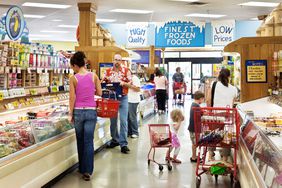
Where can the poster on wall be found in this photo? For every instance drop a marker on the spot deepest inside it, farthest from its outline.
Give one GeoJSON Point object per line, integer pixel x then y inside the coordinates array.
{"type": "Point", "coordinates": [13, 25]}
{"type": "Point", "coordinates": [103, 67]}
{"type": "Point", "coordinates": [180, 34]}
{"type": "Point", "coordinates": [256, 71]}
{"type": "Point", "coordinates": [137, 34]}
{"type": "Point", "coordinates": [223, 32]}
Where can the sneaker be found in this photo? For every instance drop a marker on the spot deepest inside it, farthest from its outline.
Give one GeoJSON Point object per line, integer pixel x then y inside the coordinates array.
{"type": "Point", "coordinates": [112, 145]}
{"type": "Point", "coordinates": [86, 177]}
{"type": "Point", "coordinates": [134, 136]}
{"type": "Point", "coordinates": [125, 150]}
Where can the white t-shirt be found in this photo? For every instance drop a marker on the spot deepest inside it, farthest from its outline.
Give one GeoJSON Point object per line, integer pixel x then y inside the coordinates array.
{"type": "Point", "coordinates": [224, 96]}
{"type": "Point", "coordinates": [133, 96]}
{"type": "Point", "coordinates": [160, 82]}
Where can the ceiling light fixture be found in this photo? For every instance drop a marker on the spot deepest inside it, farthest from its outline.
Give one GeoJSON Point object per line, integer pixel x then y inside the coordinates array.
{"type": "Point", "coordinates": [56, 20]}
{"type": "Point", "coordinates": [259, 4]}
{"type": "Point", "coordinates": [100, 20]}
{"type": "Point", "coordinates": [50, 31]}
{"type": "Point", "coordinates": [188, 1]}
{"type": "Point", "coordinates": [132, 11]}
{"type": "Point", "coordinates": [35, 36]}
{"type": "Point", "coordinates": [254, 19]}
{"type": "Point", "coordinates": [45, 5]}
{"type": "Point", "coordinates": [33, 16]}
{"type": "Point", "coordinates": [68, 26]}
{"type": "Point", "coordinates": [205, 15]}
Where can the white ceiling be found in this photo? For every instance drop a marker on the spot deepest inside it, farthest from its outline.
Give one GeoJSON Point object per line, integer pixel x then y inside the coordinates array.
{"type": "Point", "coordinates": [163, 10]}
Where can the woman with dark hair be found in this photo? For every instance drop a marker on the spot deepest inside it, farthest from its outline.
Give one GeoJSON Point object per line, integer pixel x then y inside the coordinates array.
{"type": "Point", "coordinates": [224, 96]}
{"type": "Point", "coordinates": [84, 86]}
{"type": "Point", "coordinates": [161, 84]}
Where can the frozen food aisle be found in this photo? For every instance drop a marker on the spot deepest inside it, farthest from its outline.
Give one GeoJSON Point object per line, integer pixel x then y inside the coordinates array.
{"type": "Point", "coordinates": [116, 170]}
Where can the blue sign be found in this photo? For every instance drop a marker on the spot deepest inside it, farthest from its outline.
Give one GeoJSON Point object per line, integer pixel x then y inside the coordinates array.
{"type": "Point", "coordinates": [180, 34]}
{"type": "Point", "coordinates": [145, 56]}
{"type": "Point", "coordinates": [14, 23]}
{"type": "Point", "coordinates": [256, 71]}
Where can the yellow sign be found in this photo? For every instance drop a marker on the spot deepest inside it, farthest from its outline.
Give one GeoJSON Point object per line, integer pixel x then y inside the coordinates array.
{"type": "Point", "coordinates": [256, 71]}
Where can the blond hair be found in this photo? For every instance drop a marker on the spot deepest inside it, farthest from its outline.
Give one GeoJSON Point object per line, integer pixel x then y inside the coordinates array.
{"type": "Point", "coordinates": [176, 115]}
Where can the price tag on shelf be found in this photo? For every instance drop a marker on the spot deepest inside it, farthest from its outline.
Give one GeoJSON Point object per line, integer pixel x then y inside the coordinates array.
{"type": "Point", "coordinates": [2, 70]}
{"type": "Point", "coordinates": [7, 70]}
{"type": "Point", "coordinates": [39, 70]}
{"type": "Point", "coordinates": [1, 96]}
{"type": "Point", "coordinates": [19, 70]}
{"type": "Point", "coordinates": [14, 70]}
{"type": "Point", "coordinates": [28, 70]}
{"type": "Point", "coordinates": [46, 70]}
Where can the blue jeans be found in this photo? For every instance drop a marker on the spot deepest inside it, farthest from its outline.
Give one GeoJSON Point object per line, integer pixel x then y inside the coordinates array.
{"type": "Point", "coordinates": [132, 119]}
{"type": "Point", "coordinates": [121, 137]}
{"type": "Point", "coordinates": [84, 124]}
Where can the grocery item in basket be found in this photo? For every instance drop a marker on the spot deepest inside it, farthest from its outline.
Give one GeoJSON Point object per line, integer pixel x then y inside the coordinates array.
{"type": "Point", "coordinates": [159, 139]}
{"type": "Point", "coordinates": [218, 169]}
{"type": "Point", "coordinates": [213, 137]}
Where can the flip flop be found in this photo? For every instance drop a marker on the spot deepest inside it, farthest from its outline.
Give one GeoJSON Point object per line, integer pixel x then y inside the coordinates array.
{"type": "Point", "coordinates": [176, 161]}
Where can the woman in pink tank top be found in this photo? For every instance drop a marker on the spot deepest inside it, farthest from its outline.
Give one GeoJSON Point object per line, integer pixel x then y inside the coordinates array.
{"type": "Point", "coordinates": [84, 86]}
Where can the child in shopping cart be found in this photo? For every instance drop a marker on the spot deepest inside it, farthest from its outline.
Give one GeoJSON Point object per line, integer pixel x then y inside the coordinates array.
{"type": "Point", "coordinates": [199, 98]}
{"type": "Point", "coordinates": [177, 117]}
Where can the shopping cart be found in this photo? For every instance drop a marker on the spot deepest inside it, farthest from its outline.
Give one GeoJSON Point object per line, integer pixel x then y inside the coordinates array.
{"type": "Point", "coordinates": [179, 88]}
{"type": "Point", "coordinates": [160, 137]}
{"type": "Point", "coordinates": [216, 127]}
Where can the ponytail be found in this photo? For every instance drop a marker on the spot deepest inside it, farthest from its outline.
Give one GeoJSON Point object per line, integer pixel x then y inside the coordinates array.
{"type": "Point", "coordinates": [224, 76]}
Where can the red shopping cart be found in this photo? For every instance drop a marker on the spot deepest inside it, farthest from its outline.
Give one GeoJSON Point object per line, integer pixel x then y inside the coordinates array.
{"type": "Point", "coordinates": [180, 89]}
{"type": "Point", "coordinates": [216, 127]}
{"type": "Point", "coordinates": [160, 137]}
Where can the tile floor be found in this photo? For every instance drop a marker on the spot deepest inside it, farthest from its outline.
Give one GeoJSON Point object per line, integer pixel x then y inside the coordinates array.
{"type": "Point", "coordinates": [116, 170]}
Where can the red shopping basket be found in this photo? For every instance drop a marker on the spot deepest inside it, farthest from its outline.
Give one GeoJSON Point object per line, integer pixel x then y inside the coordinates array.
{"type": "Point", "coordinates": [107, 108]}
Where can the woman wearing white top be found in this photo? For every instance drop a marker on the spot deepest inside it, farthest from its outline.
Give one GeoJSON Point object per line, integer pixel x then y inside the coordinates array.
{"type": "Point", "coordinates": [161, 84]}
{"type": "Point", "coordinates": [224, 96]}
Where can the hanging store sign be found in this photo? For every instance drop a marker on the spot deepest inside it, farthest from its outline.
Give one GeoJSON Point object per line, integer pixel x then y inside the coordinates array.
{"type": "Point", "coordinates": [223, 32]}
{"type": "Point", "coordinates": [180, 34]}
{"type": "Point", "coordinates": [14, 23]}
{"type": "Point", "coordinates": [137, 34]}
{"type": "Point", "coordinates": [256, 71]}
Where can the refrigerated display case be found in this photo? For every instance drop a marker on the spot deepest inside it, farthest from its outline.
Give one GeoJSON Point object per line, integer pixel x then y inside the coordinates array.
{"type": "Point", "coordinates": [147, 105]}
{"type": "Point", "coordinates": [260, 153]}
{"type": "Point", "coordinates": [41, 145]}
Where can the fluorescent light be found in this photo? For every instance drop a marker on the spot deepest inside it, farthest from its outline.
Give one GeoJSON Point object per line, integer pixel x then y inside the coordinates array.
{"type": "Point", "coordinates": [205, 15]}
{"type": "Point", "coordinates": [50, 31]}
{"type": "Point", "coordinates": [56, 20]}
{"type": "Point", "coordinates": [35, 35]}
{"type": "Point", "coordinates": [45, 5]}
{"type": "Point", "coordinates": [68, 26]}
{"type": "Point", "coordinates": [254, 19]}
{"type": "Point", "coordinates": [189, 1]}
{"type": "Point", "coordinates": [105, 20]}
{"type": "Point", "coordinates": [132, 11]}
{"type": "Point", "coordinates": [259, 4]}
{"type": "Point", "coordinates": [33, 16]}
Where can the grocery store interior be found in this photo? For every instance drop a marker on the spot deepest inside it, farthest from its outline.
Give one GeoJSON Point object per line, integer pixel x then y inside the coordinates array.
{"type": "Point", "coordinates": [184, 74]}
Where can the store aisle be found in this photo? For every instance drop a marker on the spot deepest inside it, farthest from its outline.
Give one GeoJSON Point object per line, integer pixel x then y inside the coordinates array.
{"type": "Point", "coordinates": [116, 170]}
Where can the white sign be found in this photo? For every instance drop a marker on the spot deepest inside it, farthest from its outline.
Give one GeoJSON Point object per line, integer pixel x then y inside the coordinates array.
{"type": "Point", "coordinates": [137, 34]}
{"type": "Point", "coordinates": [223, 32]}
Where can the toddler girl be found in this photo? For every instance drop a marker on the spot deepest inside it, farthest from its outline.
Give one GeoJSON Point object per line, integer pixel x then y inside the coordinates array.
{"type": "Point", "coordinates": [177, 118]}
